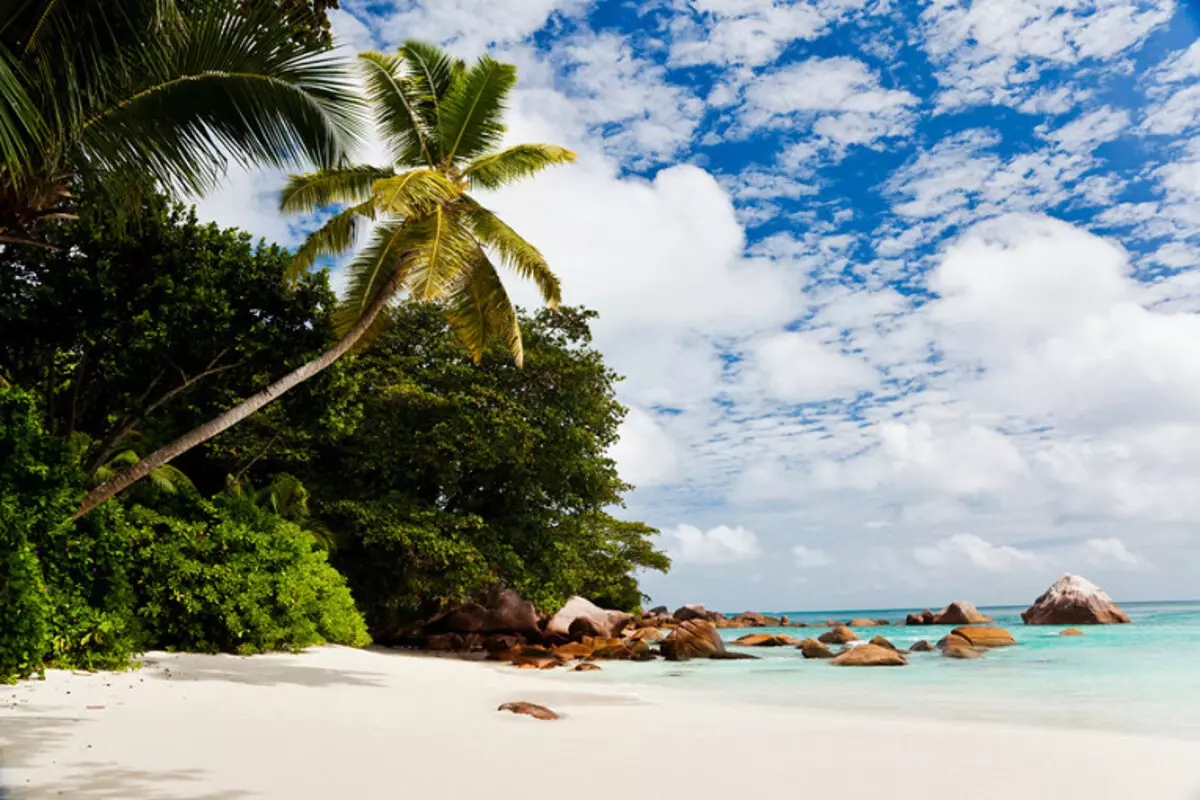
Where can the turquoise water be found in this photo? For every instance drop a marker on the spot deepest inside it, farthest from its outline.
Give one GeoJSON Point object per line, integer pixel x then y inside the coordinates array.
{"type": "Point", "coordinates": [1138, 678]}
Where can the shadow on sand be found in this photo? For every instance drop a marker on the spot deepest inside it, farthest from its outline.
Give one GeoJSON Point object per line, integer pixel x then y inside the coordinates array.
{"type": "Point", "coordinates": [91, 781]}
{"type": "Point", "coordinates": [252, 671]}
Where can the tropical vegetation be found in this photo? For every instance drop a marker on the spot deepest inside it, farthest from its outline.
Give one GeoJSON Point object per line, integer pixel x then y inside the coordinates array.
{"type": "Point", "coordinates": [465, 446]}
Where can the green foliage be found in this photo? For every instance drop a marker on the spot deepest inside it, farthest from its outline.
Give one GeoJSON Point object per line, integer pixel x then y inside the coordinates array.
{"type": "Point", "coordinates": [121, 94]}
{"type": "Point", "coordinates": [134, 334]}
{"type": "Point", "coordinates": [456, 475]}
{"type": "Point", "coordinates": [232, 577]}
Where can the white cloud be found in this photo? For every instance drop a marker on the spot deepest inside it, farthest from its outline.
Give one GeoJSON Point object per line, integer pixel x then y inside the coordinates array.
{"type": "Point", "coordinates": [800, 368]}
{"type": "Point", "coordinates": [750, 32]}
{"type": "Point", "coordinates": [646, 455]}
{"type": "Point", "coordinates": [994, 51]}
{"type": "Point", "coordinates": [839, 99]}
{"type": "Point", "coordinates": [1112, 551]}
{"type": "Point", "coordinates": [808, 558]}
{"type": "Point", "coordinates": [719, 545]}
{"type": "Point", "coordinates": [1084, 133]}
{"type": "Point", "coordinates": [468, 27]}
{"type": "Point", "coordinates": [968, 549]}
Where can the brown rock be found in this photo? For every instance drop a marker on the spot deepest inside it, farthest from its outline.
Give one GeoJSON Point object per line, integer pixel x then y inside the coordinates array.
{"type": "Point", "coordinates": [443, 642]}
{"type": "Point", "coordinates": [861, 623]}
{"type": "Point", "coordinates": [960, 651]}
{"type": "Point", "coordinates": [765, 640]}
{"type": "Point", "coordinates": [1073, 600]}
{"type": "Point", "coordinates": [952, 640]}
{"type": "Point", "coordinates": [811, 648]}
{"type": "Point", "coordinates": [839, 635]}
{"type": "Point", "coordinates": [960, 613]}
{"type": "Point", "coordinates": [692, 611]}
{"type": "Point", "coordinates": [572, 650]}
{"type": "Point", "coordinates": [657, 611]}
{"type": "Point", "coordinates": [882, 622]}
{"type": "Point", "coordinates": [532, 655]}
{"type": "Point", "coordinates": [1071, 632]}
{"type": "Point", "coordinates": [500, 642]}
{"type": "Point", "coordinates": [879, 641]}
{"type": "Point", "coordinates": [983, 636]}
{"type": "Point", "coordinates": [647, 635]}
{"type": "Point", "coordinates": [508, 612]}
{"type": "Point", "coordinates": [530, 709]}
{"type": "Point", "coordinates": [695, 638]}
{"type": "Point", "coordinates": [921, 647]}
{"type": "Point", "coordinates": [869, 655]}
{"type": "Point", "coordinates": [586, 666]}
{"type": "Point", "coordinates": [784, 622]}
{"type": "Point", "coordinates": [926, 617]}
{"type": "Point", "coordinates": [600, 622]}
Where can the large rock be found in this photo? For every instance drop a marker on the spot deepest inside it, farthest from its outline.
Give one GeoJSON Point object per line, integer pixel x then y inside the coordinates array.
{"type": "Point", "coordinates": [861, 623]}
{"type": "Point", "coordinates": [692, 611]}
{"type": "Point", "coordinates": [984, 636]}
{"type": "Point", "coordinates": [879, 641]}
{"type": "Point", "coordinates": [870, 655]}
{"type": "Point", "coordinates": [960, 613]}
{"type": "Point", "coordinates": [1073, 600]}
{"type": "Point", "coordinates": [598, 621]}
{"type": "Point", "coordinates": [657, 611]}
{"type": "Point", "coordinates": [924, 618]}
{"type": "Point", "coordinates": [499, 611]}
{"type": "Point", "coordinates": [646, 635]}
{"type": "Point", "coordinates": [811, 648]}
{"type": "Point", "coordinates": [695, 638]}
{"type": "Point", "coordinates": [839, 635]}
{"type": "Point", "coordinates": [765, 640]}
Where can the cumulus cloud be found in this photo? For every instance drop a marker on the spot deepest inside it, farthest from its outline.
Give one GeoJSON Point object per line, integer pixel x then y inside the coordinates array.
{"type": "Point", "coordinates": [800, 368]}
{"type": "Point", "coordinates": [1110, 552]}
{"type": "Point", "coordinates": [969, 549]}
{"type": "Point", "coordinates": [719, 545]}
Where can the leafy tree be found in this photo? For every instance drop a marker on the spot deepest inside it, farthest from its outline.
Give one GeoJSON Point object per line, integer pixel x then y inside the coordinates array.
{"type": "Point", "coordinates": [457, 474]}
{"type": "Point", "coordinates": [123, 95]}
{"type": "Point", "coordinates": [132, 334]}
{"type": "Point", "coordinates": [442, 123]}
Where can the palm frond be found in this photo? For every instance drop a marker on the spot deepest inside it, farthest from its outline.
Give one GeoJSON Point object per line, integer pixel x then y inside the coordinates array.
{"type": "Point", "coordinates": [470, 117]}
{"type": "Point", "coordinates": [414, 193]}
{"type": "Point", "coordinates": [21, 124]}
{"type": "Point", "coordinates": [443, 249]}
{"type": "Point", "coordinates": [337, 236]}
{"type": "Point", "coordinates": [398, 102]}
{"type": "Point", "coordinates": [169, 480]}
{"type": "Point", "coordinates": [230, 84]}
{"type": "Point", "coordinates": [511, 165]}
{"type": "Point", "coordinates": [431, 72]}
{"type": "Point", "coordinates": [371, 270]}
{"type": "Point", "coordinates": [479, 310]}
{"type": "Point", "coordinates": [307, 193]}
{"type": "Point", "coordinates": [515, 252]}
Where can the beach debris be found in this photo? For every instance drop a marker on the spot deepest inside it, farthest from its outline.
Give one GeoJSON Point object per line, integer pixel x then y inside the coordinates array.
{"type": "Point", "coordinates": [922, 646]}
{"type": "Point", "coordinates": [765, 640]}
{"type": "Point", "coordinates": [695, 638]}
{"type": "Point", "coordinates": [839, 635]}
{"type": "Point", "coordinates": [869, 655]}
{"type": "Point", "coordinates": [811, 648]}
{"type": "Point", "coordinates": [1074, 600]}
{"type": "Point", "coordinates": [581, 617]}
{"type": "Point", "coordinates": [529, 709]}
{"type": "Point", "coordinates": [960, 612]}
{"type": "Point", "coordinates": [983, 636]}
{"type": "Point", "coordinates": [1071, 632]}
{"type": "Point", "coordinates": [586, 666]}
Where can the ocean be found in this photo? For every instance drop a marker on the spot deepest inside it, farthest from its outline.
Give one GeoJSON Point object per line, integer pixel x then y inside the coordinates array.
{"type": "Point", "coordinates": [1141, 678]}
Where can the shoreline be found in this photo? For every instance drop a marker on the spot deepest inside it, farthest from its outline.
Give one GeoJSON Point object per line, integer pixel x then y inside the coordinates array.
{"type": "Point", "coordinates": [378, 723]}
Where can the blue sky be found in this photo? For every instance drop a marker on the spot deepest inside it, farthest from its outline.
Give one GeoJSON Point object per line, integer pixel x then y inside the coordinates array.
{"type": "Point", "coordinates": [904, 292]}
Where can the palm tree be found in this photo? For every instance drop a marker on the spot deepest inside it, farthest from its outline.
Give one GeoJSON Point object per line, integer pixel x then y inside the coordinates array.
{"type": "Point", "coordinates": [122, 95]}
{"type": "Point", "coordinates": [442, 123]}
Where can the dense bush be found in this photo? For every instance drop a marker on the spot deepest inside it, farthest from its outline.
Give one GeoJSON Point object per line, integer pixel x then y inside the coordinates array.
{"type": "Point", "coordinates": [228, 576]}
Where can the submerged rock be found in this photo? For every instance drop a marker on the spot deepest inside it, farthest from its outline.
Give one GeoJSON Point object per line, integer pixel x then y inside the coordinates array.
{"type": "Point", "coordinates": [839, 635]}
{"type": "Point", "coordinates": [984, 636]}
{"type": "Point", "coordinates": [1071, 632]}
{"type": "Point", "coordinates": [921, 647]}
{"type": "Point", "coordinates": [879, 641]}
{"type": "Point", "coordinates": [957, 650]}
{"type": "Point", "coordinates": [1073, 600]}
{"type": "Point", "coordinates": [586, 666]}
{"type": "Point", "coordinates": [960, 612]}
{"type": "Point", "coordinates": [870, 655]}
{"type": "Point", "coordinates": [811, 648]}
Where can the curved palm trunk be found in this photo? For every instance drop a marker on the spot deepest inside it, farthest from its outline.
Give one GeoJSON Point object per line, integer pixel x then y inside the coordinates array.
{"type": "Point", "coordinates": [164, 455]}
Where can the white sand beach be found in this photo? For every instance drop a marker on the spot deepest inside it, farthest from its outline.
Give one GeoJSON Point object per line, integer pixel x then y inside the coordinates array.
{"type": "Point", "coordinates": [342, 723]}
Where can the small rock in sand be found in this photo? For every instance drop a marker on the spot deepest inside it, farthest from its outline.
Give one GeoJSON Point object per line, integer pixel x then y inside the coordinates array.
{"type": "Point", "coordinates": [531, 709]}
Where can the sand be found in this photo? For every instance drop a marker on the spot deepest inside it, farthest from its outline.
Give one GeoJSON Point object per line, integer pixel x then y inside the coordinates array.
{"type": "Point", "coordinates": [341, 723]}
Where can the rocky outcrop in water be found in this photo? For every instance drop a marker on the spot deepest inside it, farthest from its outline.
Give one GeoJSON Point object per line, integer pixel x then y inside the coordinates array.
{"type": "Point", "coordinates": [960, 612]}
{"type": "Point", "coordinates": [983, 636]}
{"type": "Point", "coordinates": [1073, 600]}
{"type": "Point", "coordinates": [870, 655]}
{"type": "Point", "coordinates": [839, 635]}
{"type": "Point", "coordinates": [580, 617]}
{"type": "Point", "coordinates": [811, 648]}
{"type": "Point", "coordinates": [695, 638]}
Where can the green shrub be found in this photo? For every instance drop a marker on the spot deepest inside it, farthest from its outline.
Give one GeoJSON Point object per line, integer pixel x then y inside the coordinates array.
{"type": "Point", "coordinates": [232, 577]}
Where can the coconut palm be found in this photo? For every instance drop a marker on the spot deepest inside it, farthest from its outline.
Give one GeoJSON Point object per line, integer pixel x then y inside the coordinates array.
{"type": "Point", "coordinates": [441, 121]}
{"type": "Point", "coordinates": [125, 94]}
